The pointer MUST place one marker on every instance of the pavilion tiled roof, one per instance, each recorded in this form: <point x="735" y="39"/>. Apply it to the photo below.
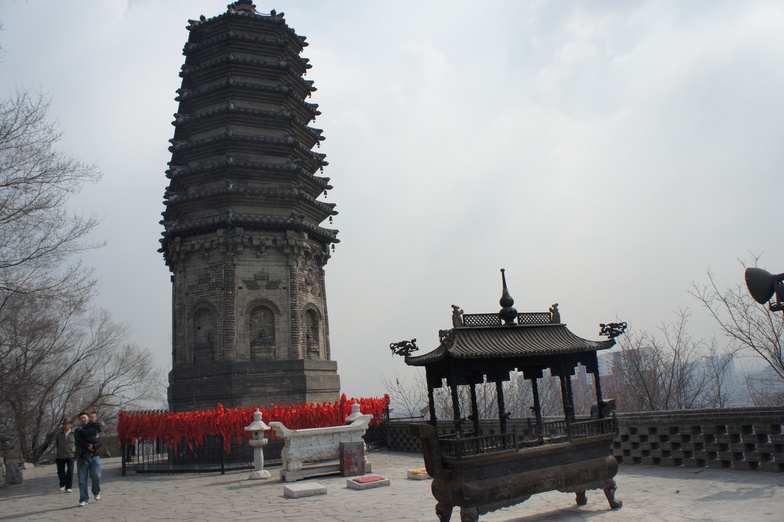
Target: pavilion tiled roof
<point x="509" y="341"/>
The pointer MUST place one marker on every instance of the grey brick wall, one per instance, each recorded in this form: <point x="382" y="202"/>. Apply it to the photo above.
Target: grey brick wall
<point x="731" y="438"/>
<point x="735" y="438"/>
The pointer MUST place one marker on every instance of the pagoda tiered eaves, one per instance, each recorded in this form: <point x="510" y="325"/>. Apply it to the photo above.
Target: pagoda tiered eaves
<point x="177" y="171"/>
<point x="257" y="92"/>
<point x="205" y="149"/>
<point x="289" y="194"/>
<point x="203" y="224"/>
<point x="242" y="219"/>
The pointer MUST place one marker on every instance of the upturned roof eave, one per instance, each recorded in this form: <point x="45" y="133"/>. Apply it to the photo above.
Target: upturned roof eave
<point x="487" y="350"/>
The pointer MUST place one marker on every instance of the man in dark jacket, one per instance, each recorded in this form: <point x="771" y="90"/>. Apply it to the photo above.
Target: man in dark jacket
<point x="88" y="461"/>
<point x="65" y="449"/>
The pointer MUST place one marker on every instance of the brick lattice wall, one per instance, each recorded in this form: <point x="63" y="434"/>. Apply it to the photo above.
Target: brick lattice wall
<point x="736" y="438"/>
<point x="733" y="438"/>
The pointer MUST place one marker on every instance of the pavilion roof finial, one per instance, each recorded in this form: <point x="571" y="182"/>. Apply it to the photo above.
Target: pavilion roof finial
<point x="508" y="312"/>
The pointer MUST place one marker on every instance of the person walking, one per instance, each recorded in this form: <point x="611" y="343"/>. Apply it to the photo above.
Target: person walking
<point x="88" y="461"/>
<point x="65" y="449"/>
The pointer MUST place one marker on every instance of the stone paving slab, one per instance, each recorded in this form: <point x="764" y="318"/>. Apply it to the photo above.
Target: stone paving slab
<point x="307" y="488"/>
<point x="649" y="493"/>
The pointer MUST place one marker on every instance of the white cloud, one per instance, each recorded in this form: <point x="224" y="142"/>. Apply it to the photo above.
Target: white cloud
<point x="604" y="154"/>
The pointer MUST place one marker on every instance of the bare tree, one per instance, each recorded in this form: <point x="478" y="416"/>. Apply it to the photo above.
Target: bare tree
<point x="56" y="355"/>
<point x="410" y="395"/>
<point x="407" y="397"/>
<point x="38" y="235"/>
<point x="764" y="388"/>
<point x="518" y="395"/>
<point x="58" y="361"/>
<point x="662" y="370"/>
<point x="750" y="326"/>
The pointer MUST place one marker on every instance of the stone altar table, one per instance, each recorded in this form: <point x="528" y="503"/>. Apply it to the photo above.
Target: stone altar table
<point x="316" y="451"/>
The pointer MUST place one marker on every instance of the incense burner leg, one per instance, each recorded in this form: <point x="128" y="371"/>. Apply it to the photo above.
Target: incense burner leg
<point x="469" y="514"/>
<point x="444" y="511"/>
<point x="609" y="492"/>
<point x="580" y="498"/>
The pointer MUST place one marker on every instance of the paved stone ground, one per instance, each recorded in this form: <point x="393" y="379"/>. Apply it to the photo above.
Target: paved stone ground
<point x="650" y="493"/>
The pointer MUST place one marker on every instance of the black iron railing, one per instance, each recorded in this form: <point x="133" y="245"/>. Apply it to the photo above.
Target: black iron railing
<point x="559" y="430"/>
<point x="457" y="446"/>
<point x="212" y="457"/>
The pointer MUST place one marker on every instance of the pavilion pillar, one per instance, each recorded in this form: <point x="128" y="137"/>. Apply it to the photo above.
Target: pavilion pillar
<point x="455" y="397"/>
<point x="430" y="398"/>
<point x="431" y="405"/>
<point x="499" y="391"/>
<point x="565" y="374"/>
<point x="565" y="403"/>
<point x="570" y="396"/>
<point x="474" y="409"/>
<point x="598" y="385"/>
<point x="537" y="409"/>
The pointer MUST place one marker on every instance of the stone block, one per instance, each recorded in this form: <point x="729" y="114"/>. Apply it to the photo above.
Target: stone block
<point x="13" y="473"/>
<point x="304" y="489"/>
<point x="753" y="456"/>
<point x="367" y="482"/>
<point x="762" y="429"/>
<point x="352" y="458"/>
<point x="310" y="471"/>
<point x="734" y="429"/>
<point x="742" y="465"/>
<point x="771" y="466"/>
<point x="777" y="438"/>
<point x="726" y="455"/>
<point x="751" y="438"/>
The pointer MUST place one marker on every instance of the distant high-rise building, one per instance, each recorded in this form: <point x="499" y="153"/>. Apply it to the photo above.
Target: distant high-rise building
<point x="242" y="224"/>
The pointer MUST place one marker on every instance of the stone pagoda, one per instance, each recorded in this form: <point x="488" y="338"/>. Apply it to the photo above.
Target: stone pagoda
<point x="242" y="221"/>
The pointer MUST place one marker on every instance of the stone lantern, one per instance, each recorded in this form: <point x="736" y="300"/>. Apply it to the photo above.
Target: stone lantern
<point x="257" y="442"/>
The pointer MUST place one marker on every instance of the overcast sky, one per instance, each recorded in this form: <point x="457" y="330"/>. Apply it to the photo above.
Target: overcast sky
<point x="606" y="154"/>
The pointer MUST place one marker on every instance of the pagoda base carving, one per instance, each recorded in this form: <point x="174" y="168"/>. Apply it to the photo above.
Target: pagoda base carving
<point x="252" y="383"/>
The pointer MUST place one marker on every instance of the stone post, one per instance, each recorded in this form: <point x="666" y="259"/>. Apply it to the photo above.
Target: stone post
<point x="258" y="441"/>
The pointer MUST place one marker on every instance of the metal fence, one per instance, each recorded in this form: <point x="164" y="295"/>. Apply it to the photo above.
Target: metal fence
<point x="211" y="457"/>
